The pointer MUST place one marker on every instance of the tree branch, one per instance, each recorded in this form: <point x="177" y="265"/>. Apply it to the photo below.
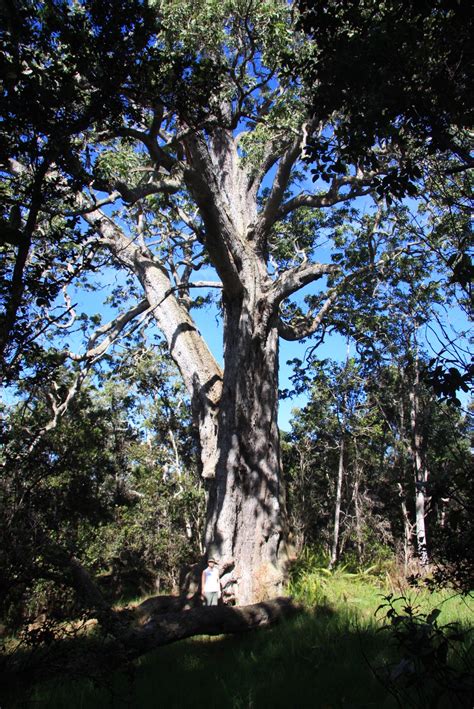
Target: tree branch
<point x="291" y="281"/>
<point x="17" y="287"/>
<point x="112" y="329"/>
<point x="360" y="187"/>
<point x="269" y="214"/>
<point x="308" y="325"/>
<point x="171" y="627"/>
<point x="133" y="194"/>
<point x="125" y="643"/>
<point x="201" y="373"/>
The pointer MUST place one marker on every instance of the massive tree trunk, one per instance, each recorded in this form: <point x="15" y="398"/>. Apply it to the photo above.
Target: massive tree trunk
<point x="244" y="528"/>
<point x="244" y="525"/>
<point x="235" y="413"/>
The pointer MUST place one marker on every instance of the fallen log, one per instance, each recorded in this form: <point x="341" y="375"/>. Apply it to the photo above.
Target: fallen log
<point x="125" y="641"/>
<point x="217" y="620"/>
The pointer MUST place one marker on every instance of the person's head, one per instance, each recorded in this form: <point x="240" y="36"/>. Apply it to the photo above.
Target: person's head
<point x="212" y="562"/>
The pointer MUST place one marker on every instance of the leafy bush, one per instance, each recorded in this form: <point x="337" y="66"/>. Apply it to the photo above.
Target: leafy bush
<point x="434" y="660"/>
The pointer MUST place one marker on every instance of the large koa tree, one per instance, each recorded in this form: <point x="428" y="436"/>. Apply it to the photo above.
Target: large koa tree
<point x="207" y="170"/>
<point x="226" y="185"/>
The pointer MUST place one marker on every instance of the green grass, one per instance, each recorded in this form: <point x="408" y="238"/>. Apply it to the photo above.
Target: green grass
<point x="323" y="658"/>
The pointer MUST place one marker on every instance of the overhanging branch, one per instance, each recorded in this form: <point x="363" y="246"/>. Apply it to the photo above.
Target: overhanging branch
<point x="111" y="330"/>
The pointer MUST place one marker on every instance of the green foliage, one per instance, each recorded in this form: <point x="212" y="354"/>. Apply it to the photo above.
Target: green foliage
<point x="371" y="409"/>
<point x="434" y="660"/>
<point x="120" y="162"/>
<point x="65" y="68"/>
<point x="111" y="484"/>
<point x="145" y="545"/>
<point x="203" y="44"/>
<point x="209" y="26"/>
<point x="327" y="656"/>
<point x="314" y="659"/>
<point x="297" y="235"/>
<point x="315" y="585"/>
<point x="70" y="72"/>
<point x="395" y="73"/>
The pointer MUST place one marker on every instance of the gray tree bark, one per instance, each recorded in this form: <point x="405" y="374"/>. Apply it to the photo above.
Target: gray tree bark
<point x="127" y="640"/>
<point x="245" y="522"/>
<point x="337" y="507"/>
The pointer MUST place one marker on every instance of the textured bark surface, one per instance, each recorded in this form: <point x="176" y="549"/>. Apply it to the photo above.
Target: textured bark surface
<point x="245" y="525"/>
<point x="419" y="468"/>
<point x="166" y="628"/>
<point x="337" y="509"/>
<point x="244" y="529"/>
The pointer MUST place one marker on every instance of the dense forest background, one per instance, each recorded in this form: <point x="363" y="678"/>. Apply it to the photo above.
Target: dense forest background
<point x="268" y="168"/>
<point x="113" y="482"/>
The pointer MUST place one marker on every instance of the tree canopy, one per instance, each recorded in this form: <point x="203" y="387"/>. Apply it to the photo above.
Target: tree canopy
<point x="396" y="73"/>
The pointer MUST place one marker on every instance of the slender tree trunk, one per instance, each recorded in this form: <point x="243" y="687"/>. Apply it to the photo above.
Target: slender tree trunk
<point x="442" y="515"/>
<point x="419" y="469"/>
<point x="337" y="510"/>
<point x="357" y="509"/>
<point x="17" y="285"/>
<point x="244" y="525"/>
<point x="407" y="529"/>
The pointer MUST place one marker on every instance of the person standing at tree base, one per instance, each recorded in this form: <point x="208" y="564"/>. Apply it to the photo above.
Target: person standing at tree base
<point x="210" y="584"/>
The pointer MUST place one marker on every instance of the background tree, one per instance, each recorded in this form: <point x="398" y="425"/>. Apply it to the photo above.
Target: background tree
<point x="67" y="70"/>
<point x="377" y="495"/>
<point x="318" y="494"/>
<point x="398" y="74"/>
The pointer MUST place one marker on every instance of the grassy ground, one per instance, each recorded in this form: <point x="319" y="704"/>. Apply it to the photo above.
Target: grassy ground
<point x="323" y="658"/>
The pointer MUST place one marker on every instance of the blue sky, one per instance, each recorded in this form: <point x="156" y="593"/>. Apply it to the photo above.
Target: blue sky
<point x="210" y="326"/>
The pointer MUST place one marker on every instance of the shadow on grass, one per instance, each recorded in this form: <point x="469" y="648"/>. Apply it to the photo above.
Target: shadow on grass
<point x="323" y="659"/>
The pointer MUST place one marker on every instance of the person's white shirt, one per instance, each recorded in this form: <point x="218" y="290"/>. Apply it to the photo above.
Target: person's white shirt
<point x="211" y="580"/>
